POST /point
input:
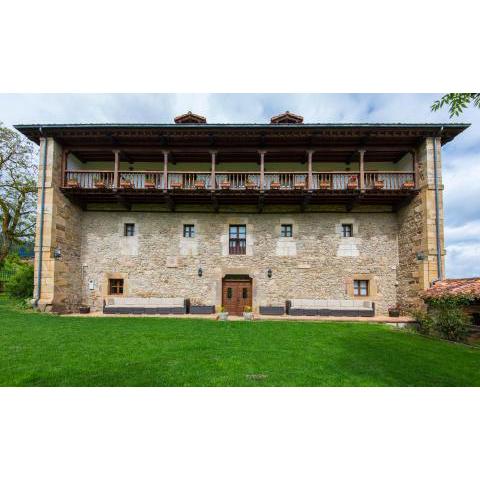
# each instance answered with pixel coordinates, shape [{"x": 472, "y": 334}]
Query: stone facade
[{"x": 316, "y": 263}]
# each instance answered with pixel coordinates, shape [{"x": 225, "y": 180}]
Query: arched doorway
[{"x": 236, "y": 293}]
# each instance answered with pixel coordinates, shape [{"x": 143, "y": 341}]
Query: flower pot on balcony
[
  {"x": 324, "y": 185},
  {"x": 225, "y": 185},
  {"x": 149, "y": 184},
  {"x": 126, "y": 184},
  {"x": 299, "y": 186},
  {"x": 352, "y": 183},
  {"x": 378, "y": 184},
  {"x": 176, "y": 185},
  {"x": 199, "y": 184},
  {"x": 408, "y": 185},
  {"x": 250, "y": 185},
  {"x": 100, "y": 184},
  {"x": 275, "y": 185},
  {"x": 73, "y": 183}
]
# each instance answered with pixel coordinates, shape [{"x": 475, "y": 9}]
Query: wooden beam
[
  {"x": 165, "y": 169},
  {"x": 362, "y": 170},
  {"x": 262, "y": 169},
  {"x": 213, "y": 183},
  {"x": 116, "y": 169},
  {"x": 215, "y": 204},
  {"x": 310, "y": 169},
  {"x": 261, "y": 203}
]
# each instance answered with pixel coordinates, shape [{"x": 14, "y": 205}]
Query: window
[
  {"x": 347, "y": 230},
  {"x": 129, "y": 230},
  {"x": 229, "y": 292},
  {"x": 189, "y": 231},
  {"x": 115, "y": 286},
  {"x": 237, "y": 239},
  {"x": 360, "y": 288},
  {"x": 286, "y": 230},
  {"x": 245, "y": 293}
]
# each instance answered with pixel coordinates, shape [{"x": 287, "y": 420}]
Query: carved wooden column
[
  {"x": 262, "y": 169},
  {"x": 362, "y": 170},
  {"x": 165, "y": 170},
  {"x": 310, "y": 169},
  {"x": 213, "y": 182},
  {"x": 116, "y": 168}
]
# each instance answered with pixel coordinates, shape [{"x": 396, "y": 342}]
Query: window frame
[
  {"x": 346, "y": 226},
  {"x": 286, "y": 228},
  {"x": 128, "y": 229},
  {"x": 190, "y": 229},
  {"x": 237, "y": 239},
  {"x": 358, "y": 288},
  {"x": 120, "y": 287}
]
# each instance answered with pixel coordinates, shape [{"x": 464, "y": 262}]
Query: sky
[{"x": 460, "y": 158}]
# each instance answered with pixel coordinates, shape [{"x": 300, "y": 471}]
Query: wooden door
[{"x": 236, "y": 295}]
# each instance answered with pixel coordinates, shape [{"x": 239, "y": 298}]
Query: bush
[
  {"x": 450, "y": 322},
  {"x": 424, "y": 321},
  {"x": 20, "y": 285}
]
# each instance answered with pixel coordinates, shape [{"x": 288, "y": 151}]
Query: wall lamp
[
  {"x": 57, "y": 253},
  {"x": 269, "y": 273},
  {"x": 200, "y": 272}
]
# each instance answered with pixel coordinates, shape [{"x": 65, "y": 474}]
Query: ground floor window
[
  {"x": 189, "y": 231},
  {"x": 115, "y": 286},
  {"x": 129, "y": 229},
  {"x": 360, "y": 288},
  {"x": 347, "y": 230},
  {"x": 286, "y": 230}
]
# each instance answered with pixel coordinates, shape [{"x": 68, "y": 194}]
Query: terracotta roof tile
[{"x": 454, "y": 286}]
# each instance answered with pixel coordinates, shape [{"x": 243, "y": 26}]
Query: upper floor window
[
  {"x": 286, "y": 230},
  {"x": 129, "y": 230},
  {"x": 347, "y": 230},
  {"x": 115, "y": 286},
  {"x": 360, "y": 288},
  {"x": 237, "y": 239},
  {"x": 189, "y": 231}
]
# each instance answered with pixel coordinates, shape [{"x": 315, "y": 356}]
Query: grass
[{"x": 48, "y": 350}]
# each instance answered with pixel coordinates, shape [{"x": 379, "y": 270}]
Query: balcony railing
[{"x": 238, "y": 181}]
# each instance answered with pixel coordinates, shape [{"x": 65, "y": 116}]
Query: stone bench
[
  {"x": 338, "y": 308},
  {"x": 147, "y": 305}
]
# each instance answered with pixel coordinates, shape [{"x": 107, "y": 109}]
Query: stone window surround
[
  {"x": 114, "y": 276},
  {"x": 347, "y": 221},
  {"x": 372, "y": 286}
]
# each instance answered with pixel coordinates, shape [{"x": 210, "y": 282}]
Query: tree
[
  {"x": 457, "y": 102},
  {"x": 18, "y": 190}
]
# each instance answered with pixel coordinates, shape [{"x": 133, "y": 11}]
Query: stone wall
[
  {"x": 417, "y": 231},
  {"x": 61, "y": 277},
  {"x": 315, "y": 263}
]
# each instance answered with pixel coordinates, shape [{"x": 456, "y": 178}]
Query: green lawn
[{"x": 47, "y": 350}]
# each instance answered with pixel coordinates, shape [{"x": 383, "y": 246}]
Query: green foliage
[
  {"x": 20, "y": 284},
  {"x": 424, "y": 321},
  {"x": 457, "y": 102}
]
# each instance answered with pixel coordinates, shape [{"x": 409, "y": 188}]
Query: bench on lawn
[
  {"x": 338, "y": 308},
  {"x": 148, "y": 305}
]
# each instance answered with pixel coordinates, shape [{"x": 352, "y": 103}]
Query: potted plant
[
  {"x": 352, "y": 183},
  {"x": 247, "y": 313},
  {"x": 99, "y": 182},
  {"x": 149, "y": 182},
  {"x": 176, "y": 185},
  {"x": 125, "y": 183},
  {"x": 222, "y": 314},
  {"x": 275, "y": 185},
  {"x": 299, "y": 185},
  {"x": 378, "y": 184},
  {"x": 84, "y": 309},
  {"x": 408, "y": 185},
  {"x": 394, "y": 311},
  {"x": 324, "y": 184},
  {"x": 225, "y": 185},
  {"x": 250, "y": 185},
  {"x": 73, "y": 183},
  {"x": 199, "y": 184}
]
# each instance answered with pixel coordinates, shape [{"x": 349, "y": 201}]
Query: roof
[
  {"x": 447, "y": 131},
  {"x": 454, "y": 287}
]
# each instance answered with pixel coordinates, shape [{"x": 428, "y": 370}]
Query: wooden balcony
[{"x": 239, "y": 187}]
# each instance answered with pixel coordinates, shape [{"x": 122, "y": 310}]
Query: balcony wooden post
[
  {"x": 362, "y": 170},
  {"x": 262, "y": 169},
  {"x": 116, "y": 169},
  {"x": 165, "y": 170},
  {"x": 64, "y": 166},
  {"x": 310, "y": 169},
  {"x": 414, "y": 167},
  {"x": 213, "y": 155}
]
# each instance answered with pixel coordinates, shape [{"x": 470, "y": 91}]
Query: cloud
[{"x": 460, "y": 158}]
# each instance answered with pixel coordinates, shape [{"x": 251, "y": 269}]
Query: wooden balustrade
[{"x": 336, "y": 181}]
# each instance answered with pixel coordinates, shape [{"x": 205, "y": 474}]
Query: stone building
[{"x": 319, "y": 218}]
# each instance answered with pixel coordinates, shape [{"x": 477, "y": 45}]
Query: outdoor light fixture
[
  {"x": 269, "y": 273},
  {"x": 57, "y": 253},
  {"x": 421, "y": 256},
  {"x": 200, "y": 272}
]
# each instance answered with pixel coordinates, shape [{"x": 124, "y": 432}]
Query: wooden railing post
[
  {"x": 415, "y": 167},
  {"x": 213, "y": 155},
  {"x": 116, "y": 169},
  {"x": 310, "y": 169},
  {"x": 262, "y": 169},
  {"x": 362, "y": 170},
  {"x": 165, "y": 170}
]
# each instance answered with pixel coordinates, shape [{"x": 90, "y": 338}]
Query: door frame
[{"x": 241, "y": 278}]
